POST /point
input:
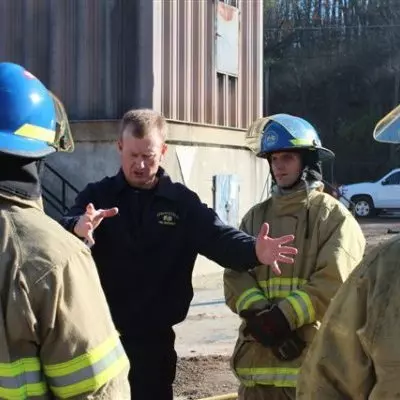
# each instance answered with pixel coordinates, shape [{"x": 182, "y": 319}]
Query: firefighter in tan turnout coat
[
  {"x": 281, "y": 314},
  {"x": 356, "y": 354},
  {"x": 57, "y": 339}
]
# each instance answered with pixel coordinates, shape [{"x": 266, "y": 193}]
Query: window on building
[
  {"x": 227, "y": 39},
  {"x": 227, "y": 61},
  {"x": 221, "y": 99},
  {"x": 227, "y": 100},
  {"x": 233, "y": 3}
]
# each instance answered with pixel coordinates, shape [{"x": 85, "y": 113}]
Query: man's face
[
  {"x": 141, "y": 158},
  {"x": 286, "y": 167}
]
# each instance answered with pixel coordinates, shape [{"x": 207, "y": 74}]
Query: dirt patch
[
  {"x": 204, "y": 376},
  {"x": 376, "y": 231}
]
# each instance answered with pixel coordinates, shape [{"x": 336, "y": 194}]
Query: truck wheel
[{"x": 363, "y": 206}]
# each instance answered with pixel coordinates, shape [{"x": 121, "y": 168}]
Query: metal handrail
[
  {"x": 68, "y": 183},
  {"x": 59, "y": 204}
]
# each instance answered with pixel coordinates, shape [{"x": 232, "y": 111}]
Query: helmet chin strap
[{"x": 306, "y": 175}]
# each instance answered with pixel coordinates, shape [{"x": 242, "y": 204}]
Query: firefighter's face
[
  {"x": 286, "y": 167},
  {"x": 141, "y": 157}
]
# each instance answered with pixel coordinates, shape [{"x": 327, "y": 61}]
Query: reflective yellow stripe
[
  {"x": 288, "y": 288},
  {"x": 301, "y": 142},
  {"x": 281, "y": 287},
  {"x": 280, "y": 377},
  {"x": 92, "y": 384},
  {"x": 21, "y": 379},
  {"x": 83, "y": 361},
  {"x": 20, "y": 366},
  {"x": 36, "y": 132},
  {"x": 303, "y": 307},
  {"x": 89, "y": 371},
  {"x": 248, "y": 297},
  {"x": 23, "y": 392}
]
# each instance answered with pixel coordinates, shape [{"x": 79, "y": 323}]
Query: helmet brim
[
  {"x": 19, "y": 146},
  {"x": 325, "y": 154}
]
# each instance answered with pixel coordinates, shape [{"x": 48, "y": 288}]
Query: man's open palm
[
  {"x": 270, "y": 251},
  {"x": 89, "y": 221}
]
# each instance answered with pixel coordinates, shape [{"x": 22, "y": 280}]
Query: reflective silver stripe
[
  {"x": 15, "y": 382},
  {"x": 279, "y": 291},
  {"x": 88, "y": 372},
  {"x": 281, "y": 287},
  {"x": 303, "y": 307}
]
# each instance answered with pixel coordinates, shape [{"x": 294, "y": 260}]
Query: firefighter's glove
[
  {"x": 290, "y": 349},
  {"x": 269, "y": 326}
]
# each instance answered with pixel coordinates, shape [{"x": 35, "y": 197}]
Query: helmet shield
[
  {"x": 63, "y": 140},
  {"x": 387, "y": 130}
]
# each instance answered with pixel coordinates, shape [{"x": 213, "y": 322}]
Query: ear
[
  {"x": 164, "y": 149},
  {"x": 119, "y": 145}
]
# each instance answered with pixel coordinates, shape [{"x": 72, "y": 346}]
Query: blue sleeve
[
  {"x": 227, "y": 246},
  {"x": 83, "y": 198}
]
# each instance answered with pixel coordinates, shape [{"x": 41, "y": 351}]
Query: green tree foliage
[{"x": 337, "y": 64}]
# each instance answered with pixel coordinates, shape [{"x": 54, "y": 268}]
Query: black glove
[
  {"x": 290, "y": 349},
  {"x": 269, "y": 327}
]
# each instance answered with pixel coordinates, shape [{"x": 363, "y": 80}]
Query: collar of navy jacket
[{"x": 165, "y": 187}]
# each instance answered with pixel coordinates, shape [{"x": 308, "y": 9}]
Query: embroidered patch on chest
[{"x": 167, "y": 218}]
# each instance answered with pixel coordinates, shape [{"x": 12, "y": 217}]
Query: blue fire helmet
[
  {"x": 284, "y": 132},
  {"x": 33, "y": 122},
  {"x": 387, "y": 130}
]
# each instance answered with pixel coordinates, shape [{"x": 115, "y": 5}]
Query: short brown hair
[{"x": 143, "y": 121}]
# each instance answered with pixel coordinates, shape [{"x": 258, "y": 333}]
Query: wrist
[{"x": 72, "y": 226}]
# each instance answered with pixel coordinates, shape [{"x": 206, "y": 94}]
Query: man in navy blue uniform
[{"x": 145, "y": 254}]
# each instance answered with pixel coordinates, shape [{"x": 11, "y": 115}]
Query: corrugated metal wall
[
  {"x": 96, "y": 55},
  {"x": 87, "y": 51},
  {"x": 190, "y": 87}
]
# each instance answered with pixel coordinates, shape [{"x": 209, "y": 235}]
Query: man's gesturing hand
[
  {"x": 271, "y": 251},
  {"x": 89, "y": 221}
]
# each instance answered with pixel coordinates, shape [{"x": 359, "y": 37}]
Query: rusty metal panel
[
  {"x": 259, "y": 59},
  {"x": 36, "y": 31},
  {"x": 24, "y": 25},
  {"x": 210, "y": 79},
  {"x": 86, "y": 51},
  {"x": 166, "y": 63},
  {"x": 96, "y": 55},
  {"x": 233, "y": 105},
  {"x": 12, "y": 36},
  {"x": 169, "y": 59},
  {"x": 192, "y": 86},
  {"x": 197, "y": 63},
  {"x": 91, "y": 57},
  {"x": 186, "y": 65},
  {"x": 244, "y": 77},
  {"x": 183, "y": 43},
  {"x": 63, "y": 53},
  {"x": 251, "y": 54}
]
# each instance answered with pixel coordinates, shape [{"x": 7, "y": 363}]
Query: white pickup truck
[{"x": 370, "y": 198}]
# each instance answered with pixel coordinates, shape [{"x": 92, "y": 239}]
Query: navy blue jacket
[{"x": 145, "y": 255}]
